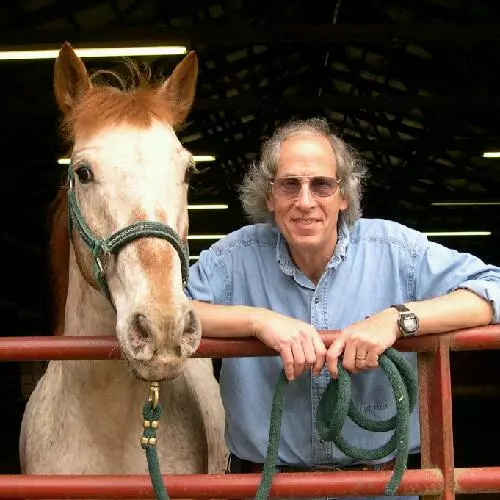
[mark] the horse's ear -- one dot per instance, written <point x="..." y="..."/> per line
<point x="71" y="79"/>
<point x="179" y="89"/>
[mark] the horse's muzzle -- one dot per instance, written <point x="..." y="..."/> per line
<point x="157" y="345"/>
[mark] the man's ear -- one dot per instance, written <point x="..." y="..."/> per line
<point x="270" y="202"/>
<point x="343" y="204"/>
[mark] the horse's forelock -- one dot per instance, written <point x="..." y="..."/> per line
<point x="106" y="105"/>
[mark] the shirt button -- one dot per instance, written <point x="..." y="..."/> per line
<point x="316" y="300"/>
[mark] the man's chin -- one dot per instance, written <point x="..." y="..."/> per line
<point x="312" y="238"/>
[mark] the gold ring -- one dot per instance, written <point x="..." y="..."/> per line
<point x="361" y="357"/>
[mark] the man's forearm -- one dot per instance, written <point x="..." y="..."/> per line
<point x="225" y="321"/>
<point x="459" y="309"/>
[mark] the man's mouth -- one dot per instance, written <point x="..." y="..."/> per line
<point x="305" y="221"/>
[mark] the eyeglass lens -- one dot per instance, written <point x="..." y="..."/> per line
<point x="319" y="186"/>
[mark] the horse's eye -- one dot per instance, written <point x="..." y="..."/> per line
<point x="85" y="175"/>
<point x="189" y="173"/>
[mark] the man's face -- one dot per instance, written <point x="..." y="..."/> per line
<point x="307" y="221"/>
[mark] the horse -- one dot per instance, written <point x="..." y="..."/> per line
<point x="120" y="270"/>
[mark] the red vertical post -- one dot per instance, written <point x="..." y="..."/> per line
<point x="436" y="427"/>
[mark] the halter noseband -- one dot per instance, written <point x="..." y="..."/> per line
<point x="102" y="249"/>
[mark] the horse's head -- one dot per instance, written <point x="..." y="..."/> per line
<point x="130" y="172"/>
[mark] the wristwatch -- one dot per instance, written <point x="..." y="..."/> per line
<point x="407" y="321"/>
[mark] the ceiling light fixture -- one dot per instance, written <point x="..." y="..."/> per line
<point x="492" y="154"/>
<point x="215" y="206"/>
<point x="163" y="50"/>
<point x="459" y="233"/>
<point x="204" y="158"/>
<point x="205" y="236"/>
<point x="197" y="158"/>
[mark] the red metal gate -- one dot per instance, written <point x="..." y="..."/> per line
<point x="437" y="478"/>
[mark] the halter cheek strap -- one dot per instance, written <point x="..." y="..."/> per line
<point x="103" y="249"/>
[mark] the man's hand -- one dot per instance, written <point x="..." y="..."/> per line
<point x="297" y="342"/>
<point x="363" y="342"/>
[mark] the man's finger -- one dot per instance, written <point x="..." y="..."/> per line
<point x="372" y="359"/>
<point x="309" y="353"/>
<point x="332" y="356"/>
<point x="299" y="358"/>
<point x="320" y="350"/>
<point x="287" y="357"/>
<point x="349" y="360"/>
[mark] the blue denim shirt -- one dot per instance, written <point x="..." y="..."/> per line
<point x="377" y="264"/>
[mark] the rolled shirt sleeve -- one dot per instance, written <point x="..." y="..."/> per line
<point x="442" y="270"/>
<point x="207" y="279"/>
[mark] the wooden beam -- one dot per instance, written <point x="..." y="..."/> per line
<point x="341" y="102"/>
<point x="231" y="34"/>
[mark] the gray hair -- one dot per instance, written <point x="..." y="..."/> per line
<point x="255" y="187"/>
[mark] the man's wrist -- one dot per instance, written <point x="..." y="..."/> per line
<point x="256" y="320"/>
<point x="407" y="321"/>
<point x="393" y="314"/>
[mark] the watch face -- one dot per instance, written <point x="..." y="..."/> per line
<point x="409" y="323"/>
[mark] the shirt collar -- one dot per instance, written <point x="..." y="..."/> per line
<point x="343" y="239"/>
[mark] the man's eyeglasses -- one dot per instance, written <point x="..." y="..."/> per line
<point x="290" y="187"/>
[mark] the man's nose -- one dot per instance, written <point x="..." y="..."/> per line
<point x="306" y="197"/>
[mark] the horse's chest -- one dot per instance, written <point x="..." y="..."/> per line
<point x="111" y="450"/>
<point x="68" y="434"/>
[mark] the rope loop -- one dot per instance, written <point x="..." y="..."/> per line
<point x="336" y="406"/>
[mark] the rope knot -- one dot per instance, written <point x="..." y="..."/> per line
<point x="151" y="423"/>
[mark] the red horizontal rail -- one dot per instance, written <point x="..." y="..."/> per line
<point x="477" y="480"/>
<point x="415" y="482"/>
<point x="305" y="484"/>
<point x="423" y="482"/>
<point x="482" y="338"/>
<point x="95" y="347"/>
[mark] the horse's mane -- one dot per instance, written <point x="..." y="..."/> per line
<point x="136" y="102"/>
<point x="59" y="256"/>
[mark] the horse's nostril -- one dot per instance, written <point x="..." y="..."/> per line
<point x="140" y="332"/>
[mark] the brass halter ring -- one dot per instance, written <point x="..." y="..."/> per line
<point x="154" y="393"/>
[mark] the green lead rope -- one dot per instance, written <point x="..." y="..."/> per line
<point x="333" y="409"/>
<point x="274" y="438"/>
<point x="336" y="404"/>
<point x="151" y="412"/>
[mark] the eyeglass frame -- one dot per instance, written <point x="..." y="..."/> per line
<point x="310" y="177"/>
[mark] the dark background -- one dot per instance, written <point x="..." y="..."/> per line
<point x="414" y="84"/>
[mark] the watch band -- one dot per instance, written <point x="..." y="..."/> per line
<point x="401" y="308"/>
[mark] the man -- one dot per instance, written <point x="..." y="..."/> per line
<point x="314" y="264"/>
